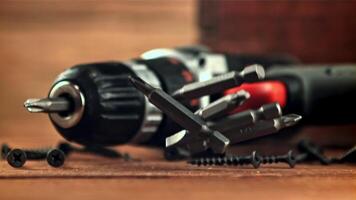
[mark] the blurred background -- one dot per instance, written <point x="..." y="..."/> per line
<point x="40" y="39"/>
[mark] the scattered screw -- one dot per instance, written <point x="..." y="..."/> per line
<point x="16" y="158"/>
<point x="254" y="159"/>
<point x="287" y="158"/>
<point x="312" y="152"/>
<point x="55" y="157"/>
<point x="36" y="154"/>
<point x="228" y="160"/>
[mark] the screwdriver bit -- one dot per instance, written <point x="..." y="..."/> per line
<point x="47" y="105"/>
<point x="246" y="118"/>
<point x="261" y="128"/>
<point x="190" y="143"/>
<point x="220" y="83"/>
<point x="180" y="114"/>
<point x="184" y="141"/>
<point x="223" y="105"/>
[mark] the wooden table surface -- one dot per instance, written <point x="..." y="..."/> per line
<point x="39" y="39"/>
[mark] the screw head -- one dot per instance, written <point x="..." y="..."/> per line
<point x="16" y="158"/>
<point x="255" y="160"/>
<point x="55" y="158"/>
<point x="291" y="159"/>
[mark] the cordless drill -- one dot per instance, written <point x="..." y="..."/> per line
<point x="94" y="104"/>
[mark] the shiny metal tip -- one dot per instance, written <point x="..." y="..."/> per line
<point x="253" y="73"/>
<point x="47" y="105"/>
<point x="291" y="119"/>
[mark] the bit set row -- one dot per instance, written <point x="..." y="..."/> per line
<point x="213" y="128"/>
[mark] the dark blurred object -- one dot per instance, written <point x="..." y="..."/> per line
<point x="314" y="31"/>
<point x="322" y="94"/>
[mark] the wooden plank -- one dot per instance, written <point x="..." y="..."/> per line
<point x="86" y="177"/>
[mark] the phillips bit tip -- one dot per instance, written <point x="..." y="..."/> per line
<point x="47" y="105"/>
<point x="223" y="105"/>
<point x="290" y="119"/>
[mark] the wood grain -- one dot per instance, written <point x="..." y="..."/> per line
<point x="88" y="177"/>
<point x="39" y="39"/>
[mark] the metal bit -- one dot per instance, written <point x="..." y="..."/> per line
<point x="47" y="105"/>
<point x="180" y="114"/>
<point x="223" y="105"/>
<point x="219" y="83"/>
<point x="187" y="142"/>
<point x="262" y="128"/>
<point x="247" y="118"/>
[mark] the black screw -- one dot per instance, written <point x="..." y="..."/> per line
<point x="287" y="158"/>
<point x="16" y="158"/>
<point x="228" y="160"/>
<point x="36" y="154"/>
<point x="254" y="159"/>
<point x="312" y="152"/>
<point x="55" y="157"/>
<point x="31" y="154"/>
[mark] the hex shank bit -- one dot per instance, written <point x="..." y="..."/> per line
<point x="180" y="114"/>
<point x="187" y="142"/>
<point x="246" y="118"/>
<point x="223" y="105"/>
<point x="219" y="83"/>
<point x="47" y="105"/>
<point x="262" y="128"/>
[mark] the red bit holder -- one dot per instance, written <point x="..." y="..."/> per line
<point x="261" y="93"/>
